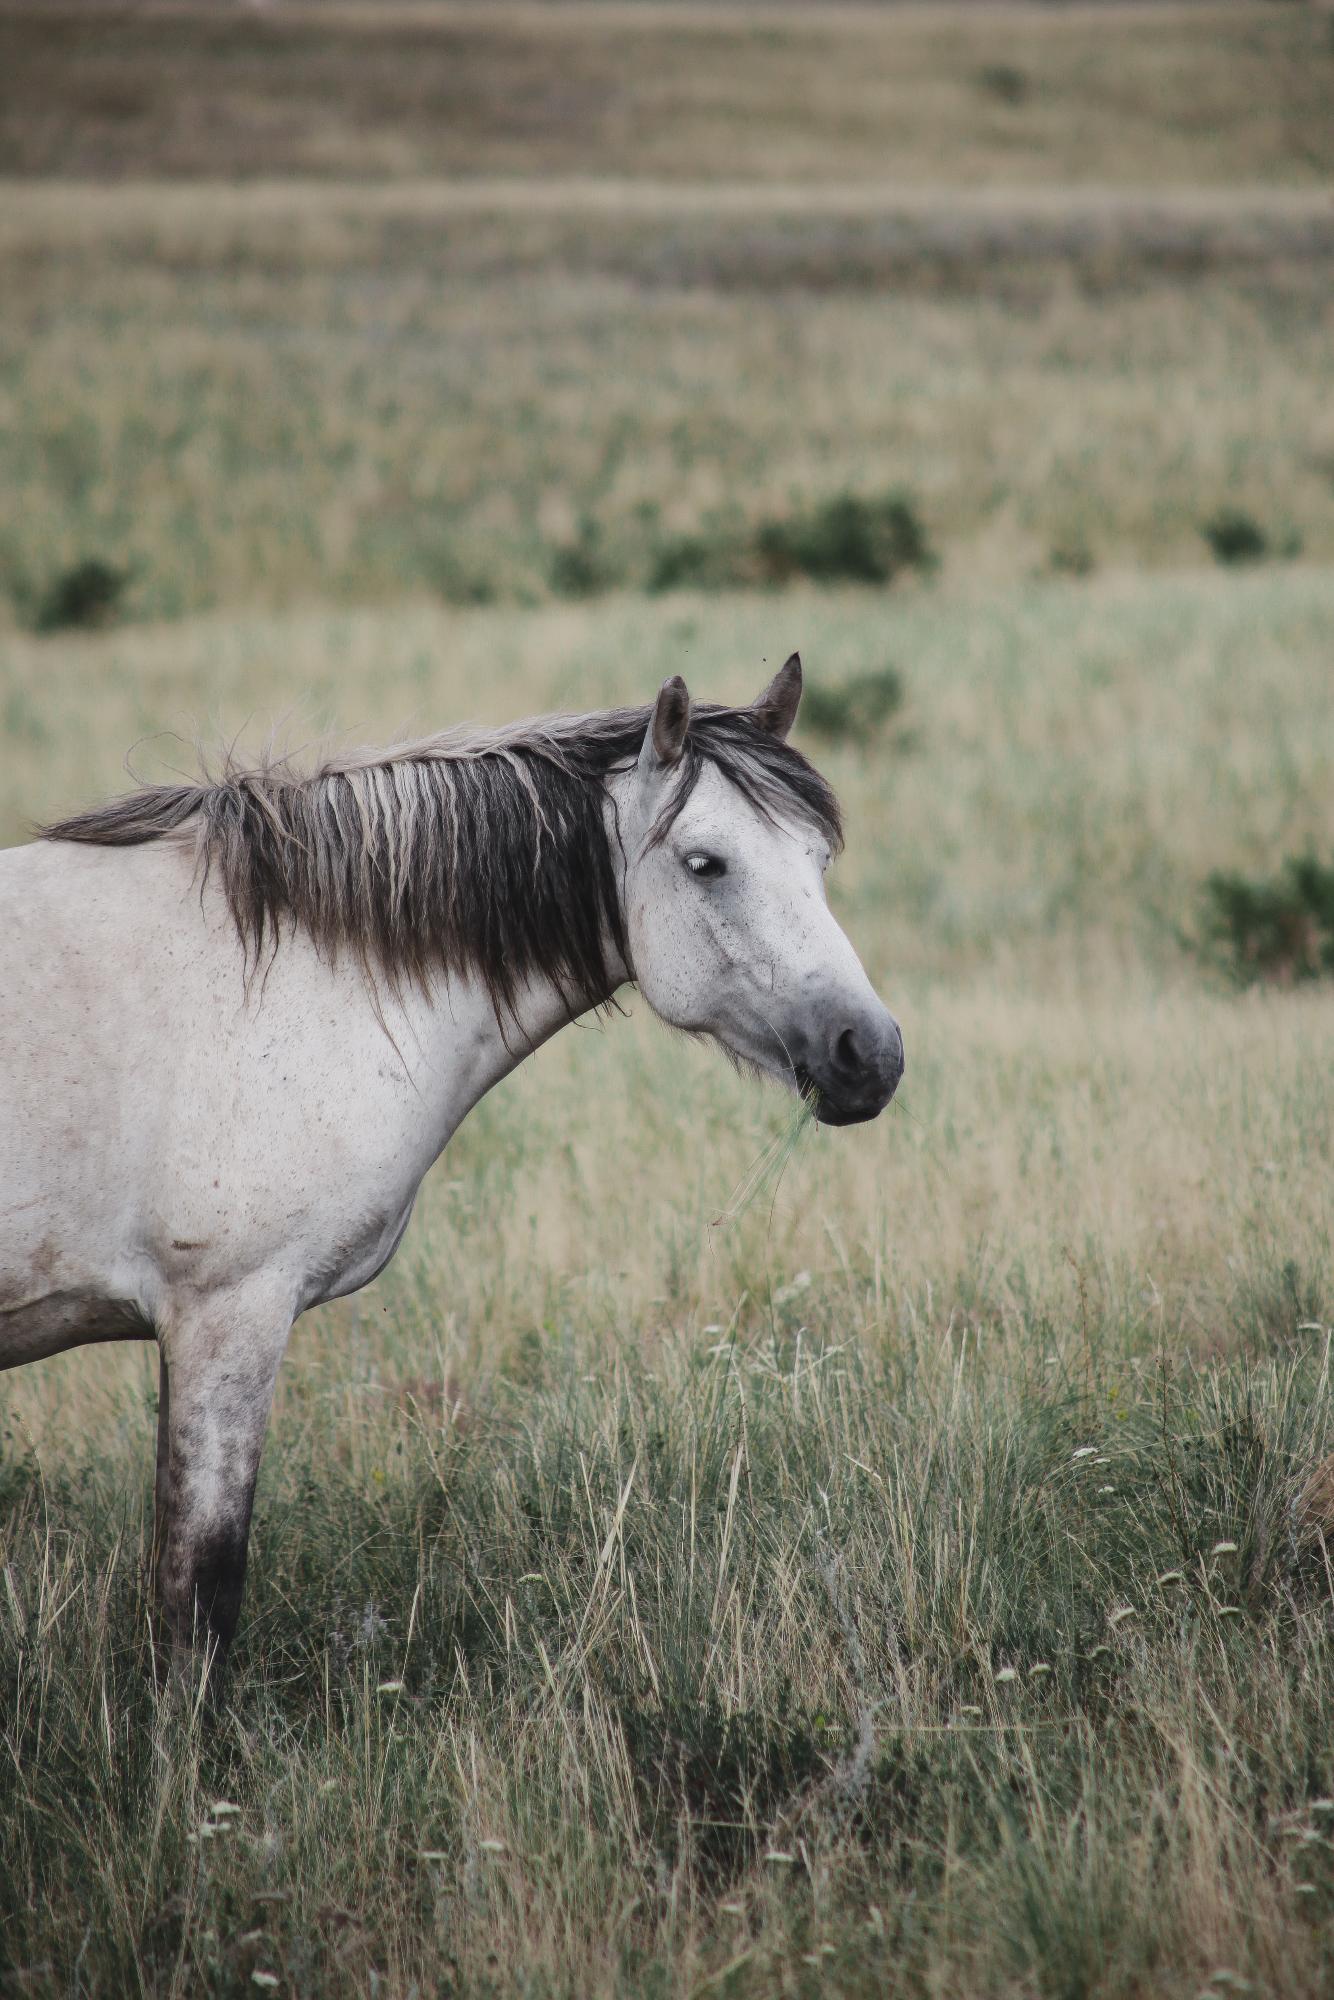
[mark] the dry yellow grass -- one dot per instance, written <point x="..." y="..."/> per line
<point x="1034" y="96"/>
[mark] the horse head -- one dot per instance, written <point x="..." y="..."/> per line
<point x="726" y="834"/>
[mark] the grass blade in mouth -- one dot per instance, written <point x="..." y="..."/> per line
<point x="769" y="1165"/>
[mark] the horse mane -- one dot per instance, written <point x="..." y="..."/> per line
<point x="482" y="852"/>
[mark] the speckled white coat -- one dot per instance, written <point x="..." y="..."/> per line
<point x="197" y="1157"/>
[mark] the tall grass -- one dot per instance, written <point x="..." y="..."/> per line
<point x="958" y="1661"/>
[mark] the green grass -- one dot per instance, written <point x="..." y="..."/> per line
<point x="290" y="401"/>
<point x="831" y="1662"/>
<point x="721" y="1557"/>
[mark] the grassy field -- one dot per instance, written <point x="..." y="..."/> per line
<point x="904" y="1572"/>
<point x="1222" y="94"/>
<point x="301" y="394"/>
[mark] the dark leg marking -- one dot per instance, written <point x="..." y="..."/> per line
<point x="216" y="1562"/>
<point x="216" y="1390"/>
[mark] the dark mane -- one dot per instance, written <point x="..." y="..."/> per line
<point x="483" y="852"/>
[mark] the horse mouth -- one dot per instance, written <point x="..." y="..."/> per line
<point x="828" y="1108"/>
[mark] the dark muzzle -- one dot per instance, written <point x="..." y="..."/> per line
<point x="854" y="1075"/>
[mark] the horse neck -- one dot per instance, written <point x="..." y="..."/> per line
<point x="470" y="1045"/>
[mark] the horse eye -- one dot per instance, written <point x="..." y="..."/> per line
<point x="706" y="867"/>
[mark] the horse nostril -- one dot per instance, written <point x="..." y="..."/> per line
<point x="847" y="1055"/>
<point x="859" y="1054"/>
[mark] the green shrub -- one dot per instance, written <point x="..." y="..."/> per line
<point x="846" y="538"/>
<point x="1235" y="536"/>
<point x="457" y="580"/>
<point x="1004" y="82"/>
<point x="855" y="708"/>
<point x="1278" y="927"/>
<point x="579" y="568"/>
<point x="82" y="597"/>
<point x="693" y="562"/>
<point x="1071" y="556"/>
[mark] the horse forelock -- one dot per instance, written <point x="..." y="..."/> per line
<point x="481" y="852"/>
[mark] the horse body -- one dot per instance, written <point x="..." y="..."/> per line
<point x="217" y="1102"/>
<point x="198" y="1158"/>
<point x="168" y="1126"/>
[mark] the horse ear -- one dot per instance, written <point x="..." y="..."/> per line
<point x="665" y="738"/>
<point x="776" y="709"/>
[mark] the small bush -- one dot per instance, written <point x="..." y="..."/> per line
<point x="693" y="562"/>
<point x="857" y="708"/>
<point x="846" y="538"/>
<point x="1004" y="82"/>
<point x="1071" y="556"/>
<point x="1235" y="536"/>
<point x="579" y="568"/>
<point x="82" y="597"/>
<point x="458" y="582"/>
<point x="1278" y="927"/>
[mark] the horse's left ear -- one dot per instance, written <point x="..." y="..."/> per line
<point x="776" y="709"/>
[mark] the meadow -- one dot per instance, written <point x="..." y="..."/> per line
<point x="718" y="1556"/>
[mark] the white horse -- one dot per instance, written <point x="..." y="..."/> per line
<point x="239" y="1021"/>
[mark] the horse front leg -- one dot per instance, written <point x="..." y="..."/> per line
<point x="220" y="1358"/>
<point x="160" y="1481"/>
